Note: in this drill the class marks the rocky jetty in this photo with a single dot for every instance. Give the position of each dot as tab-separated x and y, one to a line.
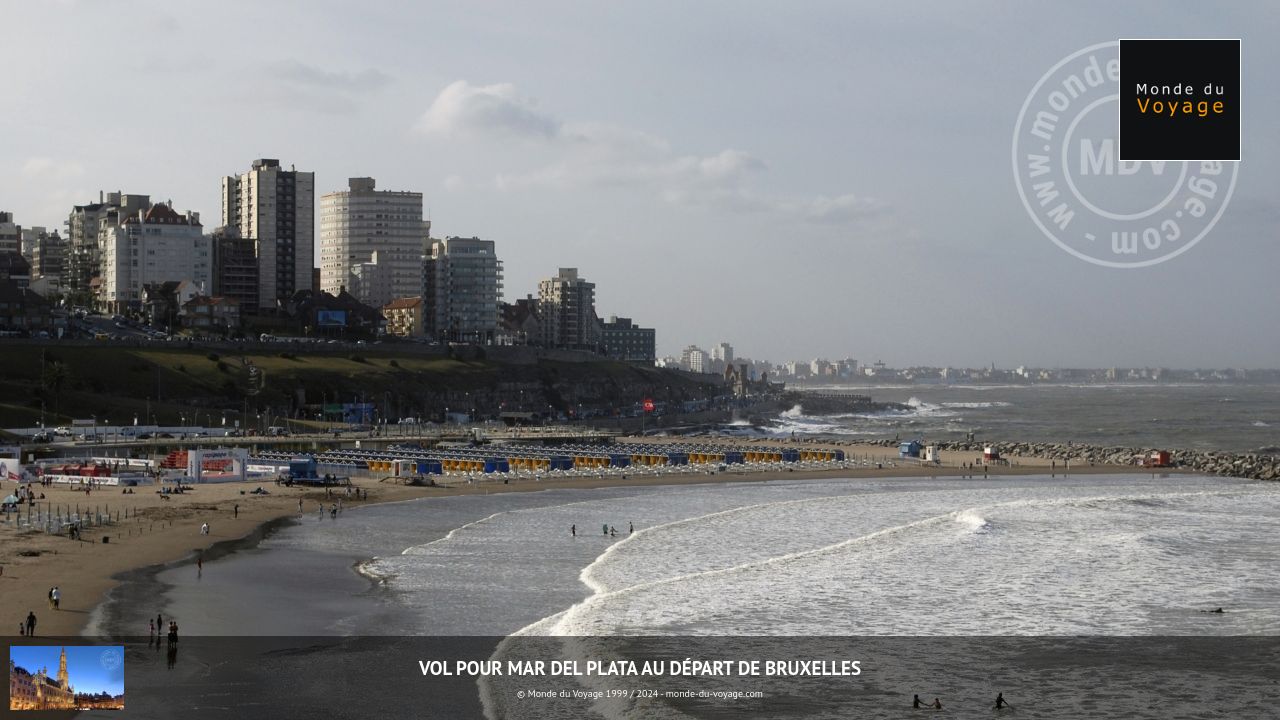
835	403
1256	466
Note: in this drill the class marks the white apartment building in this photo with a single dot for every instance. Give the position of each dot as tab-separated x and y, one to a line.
154	246
363	225
276	209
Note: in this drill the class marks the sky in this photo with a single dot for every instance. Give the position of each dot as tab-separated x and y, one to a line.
90	669
818	179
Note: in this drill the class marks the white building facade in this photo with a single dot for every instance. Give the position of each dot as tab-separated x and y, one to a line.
362	226
154	246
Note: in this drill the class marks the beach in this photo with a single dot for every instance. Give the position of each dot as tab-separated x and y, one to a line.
164	531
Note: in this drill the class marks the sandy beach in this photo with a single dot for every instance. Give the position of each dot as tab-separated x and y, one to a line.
159	531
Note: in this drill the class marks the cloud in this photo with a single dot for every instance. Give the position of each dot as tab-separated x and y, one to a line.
589	155
299	73
463	108
300	87
45	168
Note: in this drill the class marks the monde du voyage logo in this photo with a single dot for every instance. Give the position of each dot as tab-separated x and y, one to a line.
1129	169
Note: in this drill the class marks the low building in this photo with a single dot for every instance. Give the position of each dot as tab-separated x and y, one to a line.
404	317
219	314
623	340
21	308
519	323
162	303
341	315
15	268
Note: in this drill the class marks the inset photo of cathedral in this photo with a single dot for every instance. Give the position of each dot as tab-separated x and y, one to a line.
87	677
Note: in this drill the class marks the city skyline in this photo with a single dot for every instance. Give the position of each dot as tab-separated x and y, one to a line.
775	172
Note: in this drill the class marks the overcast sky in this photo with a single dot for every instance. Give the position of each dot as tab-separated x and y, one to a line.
799	179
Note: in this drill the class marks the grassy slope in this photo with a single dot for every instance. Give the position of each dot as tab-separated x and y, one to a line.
117	383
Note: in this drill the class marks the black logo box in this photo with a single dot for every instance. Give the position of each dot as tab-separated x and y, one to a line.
1180	64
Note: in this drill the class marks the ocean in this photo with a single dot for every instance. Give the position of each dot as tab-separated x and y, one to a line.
1227	417
1025	555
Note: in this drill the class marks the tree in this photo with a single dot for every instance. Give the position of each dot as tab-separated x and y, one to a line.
54	377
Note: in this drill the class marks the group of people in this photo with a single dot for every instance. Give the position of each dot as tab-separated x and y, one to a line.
917	703
157	627
606	528
55	598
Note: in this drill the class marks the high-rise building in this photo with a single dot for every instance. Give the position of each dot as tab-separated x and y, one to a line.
462	284
235	268
567	304
622	339
10	233
362	227
722	352
154	246
275	208
46	252
85	227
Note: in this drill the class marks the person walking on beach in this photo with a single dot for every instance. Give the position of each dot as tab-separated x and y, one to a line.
151	629
31	624
605	528
56	594
631	527
50	594
1000	703
204	529
573	530
236	511
299	506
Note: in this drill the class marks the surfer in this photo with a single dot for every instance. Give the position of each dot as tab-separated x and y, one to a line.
916	702
1215	611
1000	703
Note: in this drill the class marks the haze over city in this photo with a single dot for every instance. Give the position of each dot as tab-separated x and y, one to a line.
834	182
